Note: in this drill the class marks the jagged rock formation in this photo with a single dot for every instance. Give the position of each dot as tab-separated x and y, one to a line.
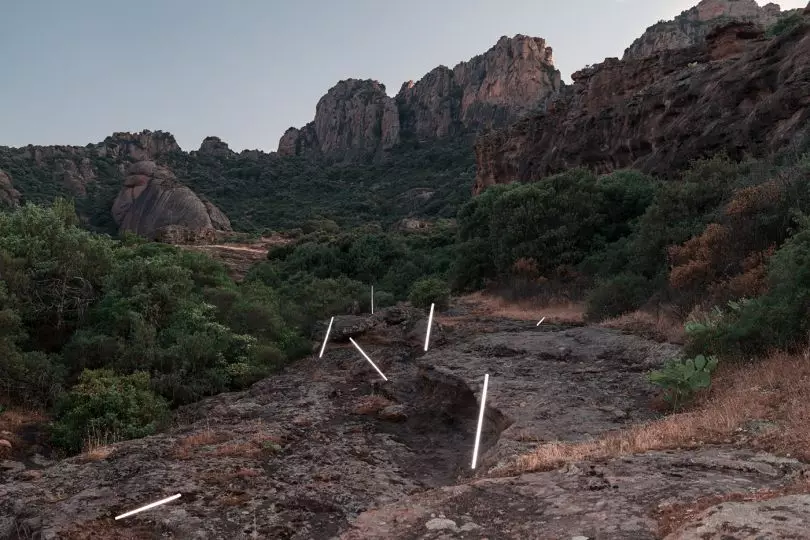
214	146
693	25
737	92
8	195
354	118
146	145
154	205
358	118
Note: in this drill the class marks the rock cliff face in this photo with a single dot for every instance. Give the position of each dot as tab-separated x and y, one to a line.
358	118
354	118
693	25
8	195
154	205
737	92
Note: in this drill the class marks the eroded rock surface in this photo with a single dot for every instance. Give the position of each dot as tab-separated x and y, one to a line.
616	500
556	384
327	449
777	518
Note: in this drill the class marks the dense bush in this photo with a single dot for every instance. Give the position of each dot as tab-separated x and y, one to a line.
558	223
106	406
779	319
430	291
325	274
72	300
700	241
618	295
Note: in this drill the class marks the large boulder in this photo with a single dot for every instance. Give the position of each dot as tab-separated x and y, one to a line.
152	201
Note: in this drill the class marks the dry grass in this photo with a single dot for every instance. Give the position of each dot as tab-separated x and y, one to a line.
525	310
371	405
660	326
188	446
13	422
210	443
97	453
240	449
99	445
774	390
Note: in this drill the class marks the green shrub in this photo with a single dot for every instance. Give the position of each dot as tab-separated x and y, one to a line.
784	25
108	405
680	379
430	291
383	299
618	295
776	320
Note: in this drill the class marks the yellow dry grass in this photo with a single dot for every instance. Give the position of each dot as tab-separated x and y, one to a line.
97	453
661	326
774	390
188	445
239	449
525	310
371	405
13	421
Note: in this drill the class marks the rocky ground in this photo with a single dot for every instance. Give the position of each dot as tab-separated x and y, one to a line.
328	449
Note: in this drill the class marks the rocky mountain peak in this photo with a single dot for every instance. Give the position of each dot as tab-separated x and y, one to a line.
146	145
357	117
692	26
737	92
215	146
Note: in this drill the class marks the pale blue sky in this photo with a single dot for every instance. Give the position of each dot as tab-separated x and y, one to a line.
74	71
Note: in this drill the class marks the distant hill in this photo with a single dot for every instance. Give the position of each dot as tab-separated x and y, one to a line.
366	157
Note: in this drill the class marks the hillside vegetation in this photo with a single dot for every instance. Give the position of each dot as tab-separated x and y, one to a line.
724	247
417	180
111	334
262	192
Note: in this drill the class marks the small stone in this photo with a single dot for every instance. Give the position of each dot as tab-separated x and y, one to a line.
467	527
579	538
5	443
40	460
393	413
31	474
440	524
12	466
